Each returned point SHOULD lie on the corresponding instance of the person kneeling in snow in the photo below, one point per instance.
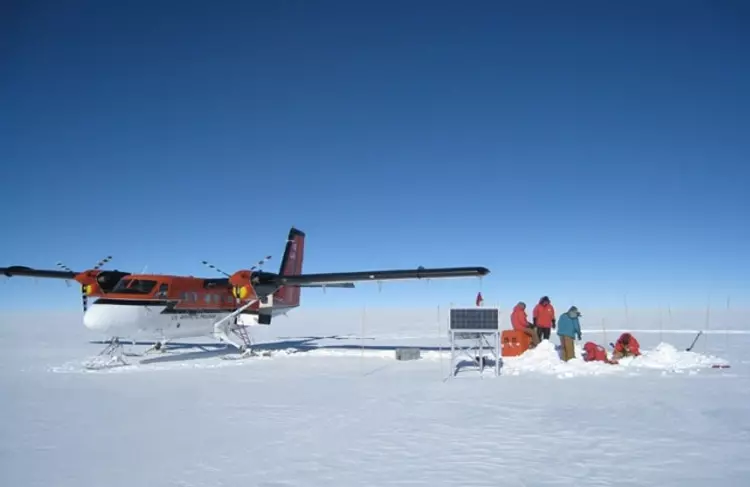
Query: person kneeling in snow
(520, 322)
(568, 328)
(596, 353)
(626, 346)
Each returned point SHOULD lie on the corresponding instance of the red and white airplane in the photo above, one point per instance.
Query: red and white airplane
(168, 307)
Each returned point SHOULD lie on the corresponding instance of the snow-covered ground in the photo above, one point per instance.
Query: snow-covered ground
(332, 406)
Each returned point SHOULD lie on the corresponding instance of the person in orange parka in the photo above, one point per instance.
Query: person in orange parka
(520, 322)
(626, 346)
(544, 318)
(596, 353)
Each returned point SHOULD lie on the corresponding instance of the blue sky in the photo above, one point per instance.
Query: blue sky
(584, 150)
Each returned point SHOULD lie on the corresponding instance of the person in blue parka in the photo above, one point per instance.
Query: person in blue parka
(568, 329)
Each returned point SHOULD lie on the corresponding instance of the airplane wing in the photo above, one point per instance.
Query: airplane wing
(387, 275)
(19, 270)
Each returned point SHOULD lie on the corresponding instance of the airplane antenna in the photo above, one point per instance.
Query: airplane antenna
(214, 268)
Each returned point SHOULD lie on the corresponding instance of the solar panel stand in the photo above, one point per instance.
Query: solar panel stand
(480, 327)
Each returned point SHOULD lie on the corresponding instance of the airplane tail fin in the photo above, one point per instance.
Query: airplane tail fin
(291, 265)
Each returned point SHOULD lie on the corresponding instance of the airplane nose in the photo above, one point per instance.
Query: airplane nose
(108, 317)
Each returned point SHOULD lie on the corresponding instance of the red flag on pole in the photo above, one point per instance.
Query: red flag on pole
(480, 299)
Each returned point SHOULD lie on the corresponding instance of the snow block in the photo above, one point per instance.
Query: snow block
(408, 354)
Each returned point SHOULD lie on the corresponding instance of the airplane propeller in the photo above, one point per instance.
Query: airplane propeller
(239, 291)
(84, 293)
(256, 266)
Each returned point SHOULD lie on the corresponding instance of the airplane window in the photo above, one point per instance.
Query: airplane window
(162, 292)
(121, 284)
(134, 286)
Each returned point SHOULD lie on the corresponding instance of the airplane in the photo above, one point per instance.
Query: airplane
(163, 308)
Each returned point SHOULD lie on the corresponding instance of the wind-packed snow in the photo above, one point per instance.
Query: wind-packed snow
(330, 405)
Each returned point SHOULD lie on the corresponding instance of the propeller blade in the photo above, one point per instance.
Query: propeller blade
(214, 268)
(102, 262)
(67, 283)
(64, 267)
(261, 262)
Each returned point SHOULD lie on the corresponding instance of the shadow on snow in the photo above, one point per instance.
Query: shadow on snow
(179, 351)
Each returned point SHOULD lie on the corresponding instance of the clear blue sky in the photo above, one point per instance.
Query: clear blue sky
(582, 150)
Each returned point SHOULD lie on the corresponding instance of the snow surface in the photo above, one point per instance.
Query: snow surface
(332, 406)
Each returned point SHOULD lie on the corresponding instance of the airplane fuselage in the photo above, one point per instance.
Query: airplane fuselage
(159, 320)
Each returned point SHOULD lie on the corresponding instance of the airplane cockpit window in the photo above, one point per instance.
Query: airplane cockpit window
(134, 286)
(162, 292)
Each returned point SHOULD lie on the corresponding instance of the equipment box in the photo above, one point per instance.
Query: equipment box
(408, 354)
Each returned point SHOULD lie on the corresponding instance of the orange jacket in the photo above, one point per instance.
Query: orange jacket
(518, 318)
(633, 347)
(544, 316)
(594, 352)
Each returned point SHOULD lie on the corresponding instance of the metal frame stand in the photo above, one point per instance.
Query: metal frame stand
(472, 332)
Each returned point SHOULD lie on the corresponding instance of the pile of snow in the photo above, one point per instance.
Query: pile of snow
(668, 358)
(545, 359)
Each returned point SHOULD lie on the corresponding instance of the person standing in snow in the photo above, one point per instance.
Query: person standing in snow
(520, 322)
(568, 329)
(544, 318)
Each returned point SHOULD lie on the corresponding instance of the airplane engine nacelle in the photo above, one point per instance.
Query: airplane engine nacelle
(242, 286)
(96, 282)
(89, 283)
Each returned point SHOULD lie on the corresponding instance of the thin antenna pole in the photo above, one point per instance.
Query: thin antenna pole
(627, 314)
(708, 322)
(451, 364)
(669, 314)
(726, 328)
(661, 327)
(362, 341)
(440, 341)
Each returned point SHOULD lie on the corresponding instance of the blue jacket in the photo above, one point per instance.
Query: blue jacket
(567, 326)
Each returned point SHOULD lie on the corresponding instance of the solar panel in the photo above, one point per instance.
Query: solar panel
(474, 319)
